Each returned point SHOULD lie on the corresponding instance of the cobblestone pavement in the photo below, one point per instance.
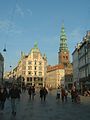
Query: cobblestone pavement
(49, 110)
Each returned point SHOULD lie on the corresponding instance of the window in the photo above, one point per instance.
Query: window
(40, 67)
(67, 57)
(41, 79)
(29, 67)
(23, 67)
(35, 55)
(40, 84)
(35, 73)
(40, 63)
(35, 62)
(64, 57)
(23, 72)
(35, 78)
(29, 62)
(40, 73)
(29, 72)
(31, 79)
(27, 79)
(35, 67)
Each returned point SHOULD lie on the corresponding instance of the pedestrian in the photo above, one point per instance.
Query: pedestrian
(13, 94)
(74, 94)
(62, 94)
(29, 92)
(3, 96)
(58, 94)
(33, 92)
(41, 93)
(19, 92)
(66, 94)
(45, 92)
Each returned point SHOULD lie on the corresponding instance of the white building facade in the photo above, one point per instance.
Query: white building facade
(81, 62)
(31, 69)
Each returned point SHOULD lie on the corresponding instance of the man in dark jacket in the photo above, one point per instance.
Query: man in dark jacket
(29, 92)
(3, 96)
(43, 93)
(13, 94)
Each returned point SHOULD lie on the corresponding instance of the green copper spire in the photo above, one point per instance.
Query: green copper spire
(35, 45)
(63, 40)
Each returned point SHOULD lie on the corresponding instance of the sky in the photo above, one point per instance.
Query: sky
(24, 22)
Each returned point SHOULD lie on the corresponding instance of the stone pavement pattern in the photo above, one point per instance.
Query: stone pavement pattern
(49, 110)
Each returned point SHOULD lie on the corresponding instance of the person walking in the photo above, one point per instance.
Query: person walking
(66, 94)
(43, 93)
(29, 92)
(63, 94)
(58, 94)
(13, 94)
(74, 94)
(33, 92)
(3, 96)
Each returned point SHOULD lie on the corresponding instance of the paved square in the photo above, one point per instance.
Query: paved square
(49, 110)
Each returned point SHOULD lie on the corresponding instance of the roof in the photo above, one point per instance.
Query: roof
(35, 48)
(56, 67)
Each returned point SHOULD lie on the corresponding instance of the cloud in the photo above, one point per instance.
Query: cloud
(76, 35)
(9, 27)
(29, 11)
(19, 10)
(22, 12)
(4, 25)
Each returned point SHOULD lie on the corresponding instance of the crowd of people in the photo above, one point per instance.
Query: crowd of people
(13, 93)
(62, 94)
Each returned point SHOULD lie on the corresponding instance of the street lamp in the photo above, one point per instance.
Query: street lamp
(3, 64)
(4, 50)
(2, 71)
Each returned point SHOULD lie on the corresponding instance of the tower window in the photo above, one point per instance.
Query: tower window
(66, 57)
(40, 63)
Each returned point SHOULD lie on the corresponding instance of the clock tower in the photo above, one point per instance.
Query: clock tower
(63, 54)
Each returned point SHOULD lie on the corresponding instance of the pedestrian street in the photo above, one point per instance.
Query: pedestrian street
(49, 110)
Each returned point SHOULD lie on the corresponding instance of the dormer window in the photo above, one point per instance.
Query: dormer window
(35, 62)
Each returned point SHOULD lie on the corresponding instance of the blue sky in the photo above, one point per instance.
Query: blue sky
(22, 22)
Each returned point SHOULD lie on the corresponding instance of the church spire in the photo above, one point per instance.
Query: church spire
(63, 40)
(35, 45)
(63, 54)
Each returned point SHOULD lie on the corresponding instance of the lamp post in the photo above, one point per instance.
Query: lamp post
(2, 71)
(3, 64)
